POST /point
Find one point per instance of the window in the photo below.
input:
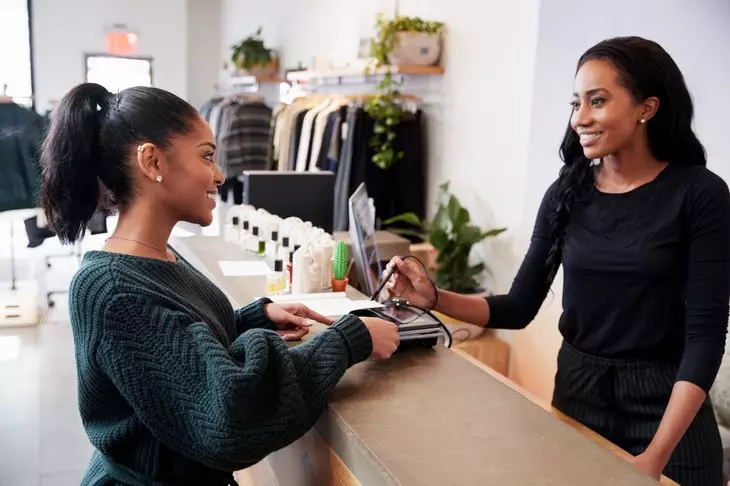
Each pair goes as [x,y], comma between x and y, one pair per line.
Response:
[16,77]
[117,73]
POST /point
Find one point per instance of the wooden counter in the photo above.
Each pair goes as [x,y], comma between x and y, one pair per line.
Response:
[430,417]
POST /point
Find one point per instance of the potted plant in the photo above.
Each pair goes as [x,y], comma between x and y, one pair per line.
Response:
[407,40]
[340,264]
[253,57]
[452,237]
[402,40]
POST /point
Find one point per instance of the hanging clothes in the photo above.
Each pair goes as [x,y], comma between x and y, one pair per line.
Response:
[332,133]
[21,135]
[241,125]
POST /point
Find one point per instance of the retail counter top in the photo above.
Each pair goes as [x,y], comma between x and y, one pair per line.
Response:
[426,417]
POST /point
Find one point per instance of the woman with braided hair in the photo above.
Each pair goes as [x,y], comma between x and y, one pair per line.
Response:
[642,230]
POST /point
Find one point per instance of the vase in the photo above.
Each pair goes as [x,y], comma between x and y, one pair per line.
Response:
[268,70]
[415,48]
[339,285]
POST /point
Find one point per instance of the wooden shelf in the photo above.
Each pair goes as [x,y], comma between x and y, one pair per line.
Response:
[410,70]
[248,80]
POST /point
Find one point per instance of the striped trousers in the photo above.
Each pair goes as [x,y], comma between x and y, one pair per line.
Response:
[624,401]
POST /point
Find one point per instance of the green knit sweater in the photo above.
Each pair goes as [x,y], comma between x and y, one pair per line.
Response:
[177,388]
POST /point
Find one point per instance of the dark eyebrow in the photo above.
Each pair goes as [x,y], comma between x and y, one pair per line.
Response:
[593,91]
[209,144]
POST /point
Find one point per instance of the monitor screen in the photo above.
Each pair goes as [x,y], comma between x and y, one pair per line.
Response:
[362,236]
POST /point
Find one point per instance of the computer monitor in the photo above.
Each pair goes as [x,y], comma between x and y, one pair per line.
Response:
[362,237]
[309,196]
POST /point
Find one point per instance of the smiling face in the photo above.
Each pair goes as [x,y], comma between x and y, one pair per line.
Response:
[606,116]
[190,176]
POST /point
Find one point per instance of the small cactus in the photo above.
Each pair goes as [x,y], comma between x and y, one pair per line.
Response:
[340,261]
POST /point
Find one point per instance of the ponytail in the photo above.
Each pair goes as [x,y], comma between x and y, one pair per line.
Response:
[86,153]
[71,159]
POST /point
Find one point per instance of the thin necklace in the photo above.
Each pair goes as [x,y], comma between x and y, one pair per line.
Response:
[163,250]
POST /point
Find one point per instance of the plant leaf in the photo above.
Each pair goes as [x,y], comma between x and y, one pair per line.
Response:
[439,239]
[475,269]
[407,232]
[494,232]
[470,235]
[410,218]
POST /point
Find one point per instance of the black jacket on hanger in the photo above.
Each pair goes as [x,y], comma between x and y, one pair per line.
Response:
[396,190]
[21,134]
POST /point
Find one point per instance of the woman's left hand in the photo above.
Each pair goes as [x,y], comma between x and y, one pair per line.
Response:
[650,465]
[293,321]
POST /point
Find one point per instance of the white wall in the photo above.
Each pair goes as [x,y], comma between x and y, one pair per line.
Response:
[478,125]
[64,30]
[203,44]
[694,33]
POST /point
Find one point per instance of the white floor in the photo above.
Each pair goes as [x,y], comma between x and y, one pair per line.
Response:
[42,441]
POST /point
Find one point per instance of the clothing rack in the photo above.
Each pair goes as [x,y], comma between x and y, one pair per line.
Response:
[240,122]
[331,132]
[18,165]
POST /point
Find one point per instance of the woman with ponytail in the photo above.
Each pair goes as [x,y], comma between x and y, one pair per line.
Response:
[175,386]
[642,230]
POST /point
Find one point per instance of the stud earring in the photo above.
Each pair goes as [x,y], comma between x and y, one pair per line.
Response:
[158,178]
[139,148]
[643,120]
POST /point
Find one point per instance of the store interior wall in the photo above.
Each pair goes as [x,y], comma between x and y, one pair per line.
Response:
[204,22]
[64,30]
[503,98]
[479,119]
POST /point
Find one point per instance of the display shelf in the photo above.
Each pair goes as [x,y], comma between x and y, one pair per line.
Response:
[246,79]
[308,76]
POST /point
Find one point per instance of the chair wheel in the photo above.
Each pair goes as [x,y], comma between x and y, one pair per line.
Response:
[51,304]
[48,265]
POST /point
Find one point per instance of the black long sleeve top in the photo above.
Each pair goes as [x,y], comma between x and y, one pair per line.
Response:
[646,273]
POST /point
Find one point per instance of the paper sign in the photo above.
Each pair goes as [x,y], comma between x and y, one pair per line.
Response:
[333,304]
[244,268]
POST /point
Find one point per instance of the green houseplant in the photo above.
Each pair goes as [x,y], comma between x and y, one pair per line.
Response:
[384,108]
[251,55]
[340,263]
[452,236]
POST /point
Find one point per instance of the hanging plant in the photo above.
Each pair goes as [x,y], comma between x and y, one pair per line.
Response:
[251,53]
[384,108]
[386,113]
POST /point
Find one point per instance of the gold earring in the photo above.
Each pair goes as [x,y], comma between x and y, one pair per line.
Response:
[158,178]
[139,148]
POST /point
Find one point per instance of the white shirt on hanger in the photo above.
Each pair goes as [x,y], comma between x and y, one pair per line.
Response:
[306,134]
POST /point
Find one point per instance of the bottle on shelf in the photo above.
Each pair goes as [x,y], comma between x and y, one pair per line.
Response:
[232,231]
[290,265]
[251,240]
[260,241]
[245,231]
[272,246]
[276,280]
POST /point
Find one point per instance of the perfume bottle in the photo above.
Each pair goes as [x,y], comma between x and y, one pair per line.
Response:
[245,232]
[272,246]
[232,231]
[276,280]
[260,241]
[251,241]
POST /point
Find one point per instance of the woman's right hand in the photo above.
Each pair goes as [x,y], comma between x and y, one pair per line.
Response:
[411,282]
[384,335]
